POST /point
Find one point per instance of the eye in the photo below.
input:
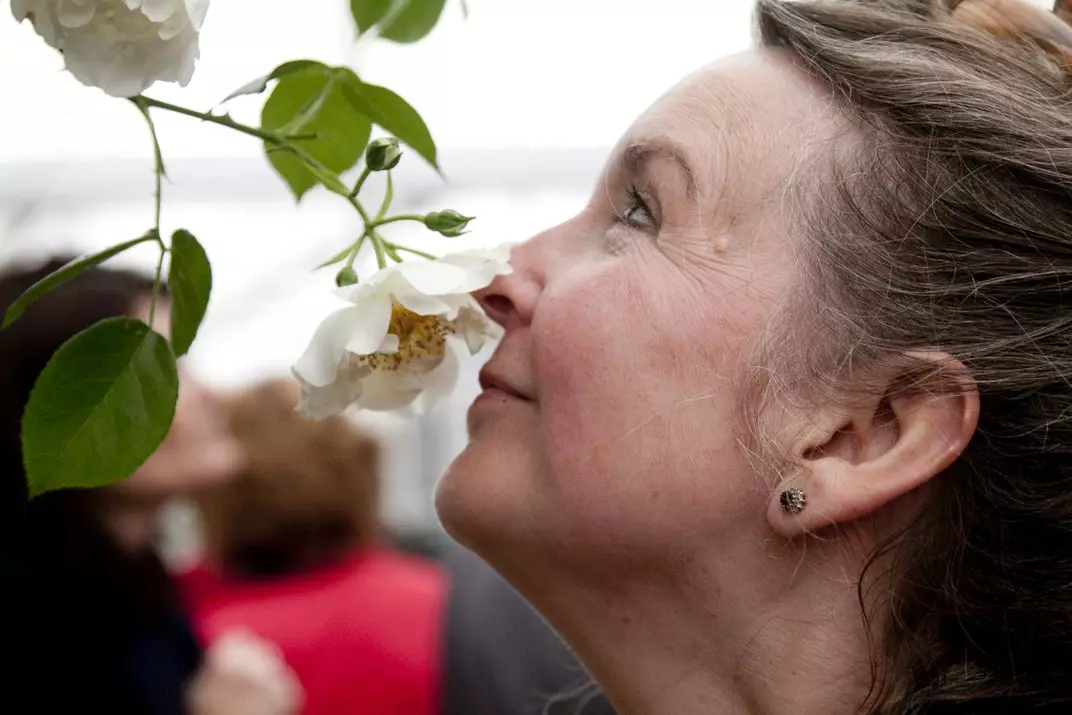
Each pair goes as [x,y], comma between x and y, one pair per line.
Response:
[637,214]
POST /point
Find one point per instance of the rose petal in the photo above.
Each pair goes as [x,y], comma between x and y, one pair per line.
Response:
[116,51]
[389,346]
[474,327]
[319,364]
[375,312]
[43,21]
[21,8]
[173,27]
[481,268]
[160,10]
[381,281]
[432,277]
[318,403]
[438,384]
[499,254]
[184,68]
[196,11]
[386,390]
[119,74]
[73,14]
[422,304]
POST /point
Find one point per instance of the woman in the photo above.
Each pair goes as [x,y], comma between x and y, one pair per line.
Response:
[93,620]
[815,455]
[295,553]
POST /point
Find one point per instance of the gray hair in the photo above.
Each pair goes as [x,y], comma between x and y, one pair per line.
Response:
[949,227]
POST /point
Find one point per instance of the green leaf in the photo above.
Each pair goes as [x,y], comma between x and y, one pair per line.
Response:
[368,12]
[62,275]
[399,20]
[190,284]
[410,20]
[388,110]
[100,408]
[329,179]
[308,111]
[261,83]
[305,103]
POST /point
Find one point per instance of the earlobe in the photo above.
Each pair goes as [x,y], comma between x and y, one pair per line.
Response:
[880,451]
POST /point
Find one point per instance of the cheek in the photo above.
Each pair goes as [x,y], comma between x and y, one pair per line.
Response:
[637,398]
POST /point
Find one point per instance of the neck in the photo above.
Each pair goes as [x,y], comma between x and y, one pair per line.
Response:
[683,642]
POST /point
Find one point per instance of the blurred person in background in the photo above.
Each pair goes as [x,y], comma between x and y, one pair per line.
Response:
[94,623]
[502,656]
[295,554]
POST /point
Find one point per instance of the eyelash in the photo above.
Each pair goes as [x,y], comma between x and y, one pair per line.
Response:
[636,201]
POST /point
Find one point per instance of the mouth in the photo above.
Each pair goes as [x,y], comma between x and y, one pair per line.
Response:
[491,382]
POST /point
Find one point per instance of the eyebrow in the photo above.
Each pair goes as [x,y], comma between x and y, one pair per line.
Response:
[638,154]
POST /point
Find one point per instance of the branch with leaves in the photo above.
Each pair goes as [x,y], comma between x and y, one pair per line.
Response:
[106,399]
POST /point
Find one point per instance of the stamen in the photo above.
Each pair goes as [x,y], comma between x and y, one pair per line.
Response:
[419,337]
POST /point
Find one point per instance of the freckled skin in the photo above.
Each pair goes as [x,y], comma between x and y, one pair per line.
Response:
[617,493]
[633,342]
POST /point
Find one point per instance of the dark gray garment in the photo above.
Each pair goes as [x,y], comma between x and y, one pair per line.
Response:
[502,657]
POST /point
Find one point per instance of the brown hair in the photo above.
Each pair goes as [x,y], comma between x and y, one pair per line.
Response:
[949,227]
[307,496]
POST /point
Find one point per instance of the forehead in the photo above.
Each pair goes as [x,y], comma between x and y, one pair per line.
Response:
[745,124]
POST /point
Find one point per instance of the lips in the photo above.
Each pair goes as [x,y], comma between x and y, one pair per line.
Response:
[490,379]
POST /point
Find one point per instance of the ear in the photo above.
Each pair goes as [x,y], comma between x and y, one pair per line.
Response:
[858,459]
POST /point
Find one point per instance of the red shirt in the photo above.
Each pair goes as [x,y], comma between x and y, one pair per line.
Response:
[364,636]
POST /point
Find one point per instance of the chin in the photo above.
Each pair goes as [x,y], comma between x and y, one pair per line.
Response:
[486,500]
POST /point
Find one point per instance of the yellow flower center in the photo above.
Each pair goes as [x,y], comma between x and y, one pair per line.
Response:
[419,336]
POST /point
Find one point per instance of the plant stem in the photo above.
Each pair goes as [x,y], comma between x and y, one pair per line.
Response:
[360,182]
[223,121]
[388,196]
[158,161]
[156,284]
[282,142]
[337,257]
[356,249]
[414,251]
[396,219]
[361,210]
[274,139]
[370,226]
[377,245]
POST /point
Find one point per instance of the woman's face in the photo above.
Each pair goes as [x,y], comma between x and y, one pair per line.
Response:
[611,432]
[199,450]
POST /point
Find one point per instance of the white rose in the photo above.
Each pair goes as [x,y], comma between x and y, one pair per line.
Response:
[397,340]
[121,46]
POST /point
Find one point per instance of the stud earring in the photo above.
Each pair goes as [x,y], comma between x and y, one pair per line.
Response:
[793,500]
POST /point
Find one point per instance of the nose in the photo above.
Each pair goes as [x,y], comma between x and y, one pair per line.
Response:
[509,299]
